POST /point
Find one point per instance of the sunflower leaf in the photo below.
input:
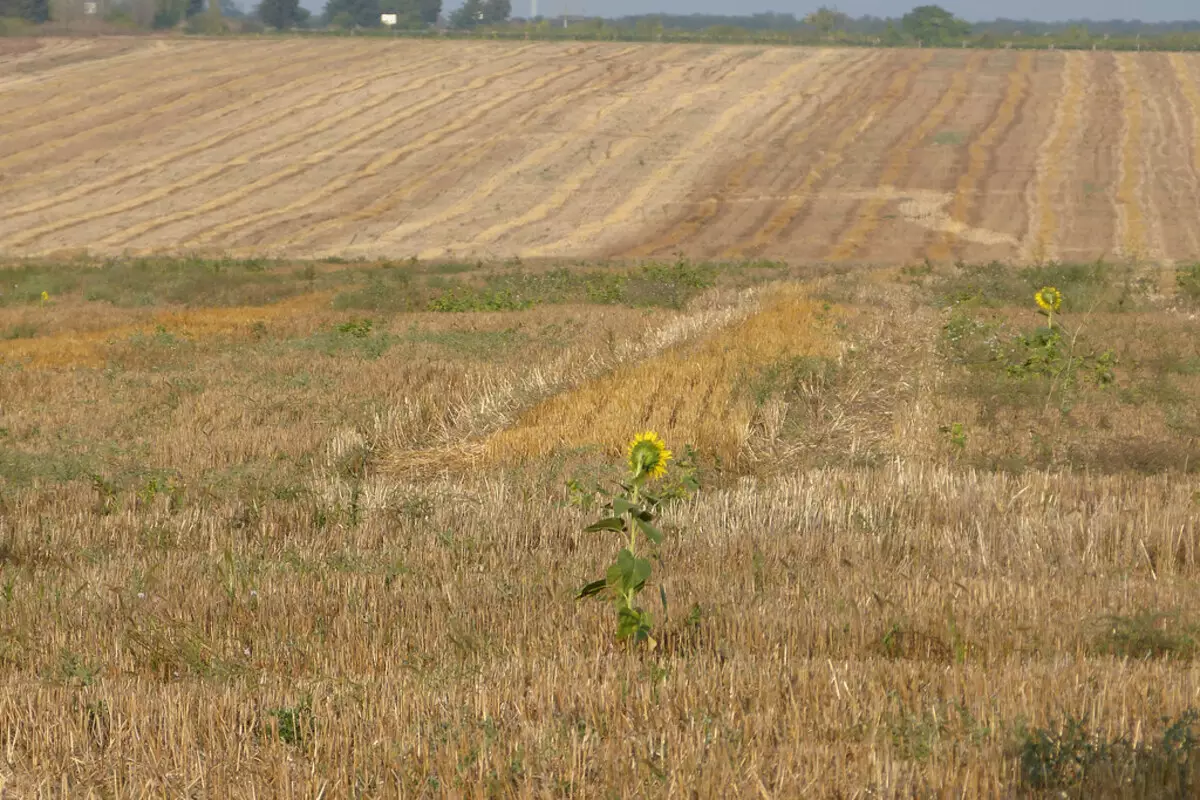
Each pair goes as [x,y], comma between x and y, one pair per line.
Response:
[607,524]
[622,506]
[592,589]
[652,533]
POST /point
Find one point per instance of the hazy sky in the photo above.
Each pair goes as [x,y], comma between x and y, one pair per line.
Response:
[1146,10]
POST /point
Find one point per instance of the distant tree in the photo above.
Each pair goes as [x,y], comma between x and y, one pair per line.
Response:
[496,11]
[481,12]
[37,10]
[168,13]
[348,13]
[826,20]
[934,25]
[429,10]
[468,15]
[28,10]
[194,7]
[279,14]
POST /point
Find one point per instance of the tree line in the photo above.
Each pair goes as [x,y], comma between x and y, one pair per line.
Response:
[925,25]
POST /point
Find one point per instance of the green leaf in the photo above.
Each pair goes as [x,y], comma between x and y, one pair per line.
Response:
[633,622]
[652,533]
[641,571]
[629,573]
[592,589]
[622,506]
[607,524]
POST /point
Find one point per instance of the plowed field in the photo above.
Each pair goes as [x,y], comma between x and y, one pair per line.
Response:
[397,148]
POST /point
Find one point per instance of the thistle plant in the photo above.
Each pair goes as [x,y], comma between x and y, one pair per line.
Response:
[631,512]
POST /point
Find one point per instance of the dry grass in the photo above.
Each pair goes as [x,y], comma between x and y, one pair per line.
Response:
[688,392]
[219,576]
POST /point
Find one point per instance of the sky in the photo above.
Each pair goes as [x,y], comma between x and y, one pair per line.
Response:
[1042,10]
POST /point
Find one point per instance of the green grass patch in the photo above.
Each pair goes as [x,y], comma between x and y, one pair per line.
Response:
[357,338]
[142,282]
[1187,280]
[1087,287]
[652,285]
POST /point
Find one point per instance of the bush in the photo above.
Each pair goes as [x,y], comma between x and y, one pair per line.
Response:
[1071,758]
[1187,278]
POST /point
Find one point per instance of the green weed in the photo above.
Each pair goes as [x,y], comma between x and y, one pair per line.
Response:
[1147,634]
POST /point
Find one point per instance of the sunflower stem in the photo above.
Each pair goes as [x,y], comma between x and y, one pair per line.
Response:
[635,499]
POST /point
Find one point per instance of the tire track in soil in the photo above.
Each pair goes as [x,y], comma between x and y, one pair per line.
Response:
[1089,187]
[344,180]
[981,158]
[66,97]
[636,199]
[176,108]
[205,90]
[460,161]
[1131,240]
[134,92]
[797,200]
[17,153]
[567,188]
[544,115]
[792,212]
[1160,166]
[247,102]
[721,201]
[1184,109]
[85,68]
[204,175]
[898,159]
[1056,158]
[546,152]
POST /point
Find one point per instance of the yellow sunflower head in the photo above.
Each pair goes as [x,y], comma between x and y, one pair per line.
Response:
[648,456]
[45,296]
[1048,298]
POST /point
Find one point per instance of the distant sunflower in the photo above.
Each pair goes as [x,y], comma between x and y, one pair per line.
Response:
[648,456]
[1049,299]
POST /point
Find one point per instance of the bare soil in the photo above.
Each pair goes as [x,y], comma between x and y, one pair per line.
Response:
[548,150]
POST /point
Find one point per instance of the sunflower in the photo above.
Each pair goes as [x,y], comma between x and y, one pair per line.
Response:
[1049,299]
[648,456]
[45,296]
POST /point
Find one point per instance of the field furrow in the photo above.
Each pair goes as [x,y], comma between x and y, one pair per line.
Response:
[786,133]
[213,134]
[540,150]
[1049,206]
[615,90]
[301,206]
[980,157]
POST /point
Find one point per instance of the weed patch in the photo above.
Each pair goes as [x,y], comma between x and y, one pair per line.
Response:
[1070,757]
[1147,634]
[1087,287]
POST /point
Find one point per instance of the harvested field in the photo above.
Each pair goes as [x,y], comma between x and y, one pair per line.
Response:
[316,529]
[544,150]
